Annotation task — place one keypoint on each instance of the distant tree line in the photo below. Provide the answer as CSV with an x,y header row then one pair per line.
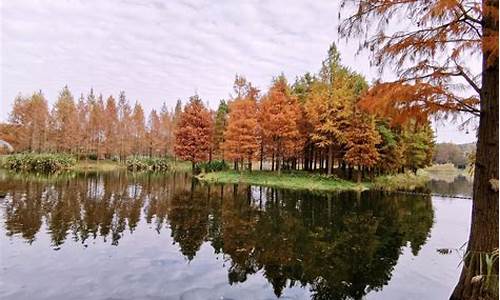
x,y
91,126
314,124
453,153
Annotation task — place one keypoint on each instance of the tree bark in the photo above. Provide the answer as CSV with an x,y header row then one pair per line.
x,y
261,154
329,164
272,162
483,236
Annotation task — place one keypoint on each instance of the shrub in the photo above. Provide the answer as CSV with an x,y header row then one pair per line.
x,y
401,182
45,163
148,164
214,166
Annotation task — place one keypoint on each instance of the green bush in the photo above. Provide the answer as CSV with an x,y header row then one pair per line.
x,y
156,164
214,166
92,156
45,163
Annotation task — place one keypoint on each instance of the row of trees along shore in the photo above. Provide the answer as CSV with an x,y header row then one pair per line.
x,y
314,124
89,127
429,51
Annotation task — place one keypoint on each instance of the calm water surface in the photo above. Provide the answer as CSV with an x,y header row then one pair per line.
x,y
147,236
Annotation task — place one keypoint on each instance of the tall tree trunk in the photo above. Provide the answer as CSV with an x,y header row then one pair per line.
x,y
315,160
272,162
329,164
484,221
261,154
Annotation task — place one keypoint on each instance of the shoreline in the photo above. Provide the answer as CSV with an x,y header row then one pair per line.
x,y
299,180
287,180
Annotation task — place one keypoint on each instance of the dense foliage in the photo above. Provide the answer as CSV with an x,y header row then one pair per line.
x,y
46,163
143,163
452,153
214,166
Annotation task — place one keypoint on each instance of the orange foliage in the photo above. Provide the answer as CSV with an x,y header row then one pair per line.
x,y
240,136
193,132
429,81
280,117
362,138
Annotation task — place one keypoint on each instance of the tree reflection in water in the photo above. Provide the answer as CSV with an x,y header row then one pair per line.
x,y
339,245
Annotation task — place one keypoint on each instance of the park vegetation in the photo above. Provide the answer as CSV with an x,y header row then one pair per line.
x,y
315,124
329,122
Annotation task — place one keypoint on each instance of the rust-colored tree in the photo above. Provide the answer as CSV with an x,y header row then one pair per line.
x,y
362,140
280,118
30,117
63,121
430,57
193,132
240,137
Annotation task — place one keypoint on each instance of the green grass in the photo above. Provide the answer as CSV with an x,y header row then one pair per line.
x,y
109,165
406,181
289,180
181,166
97,166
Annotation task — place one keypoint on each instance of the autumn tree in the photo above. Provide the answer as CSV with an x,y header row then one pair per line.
x,y
30,116
240,137
64,122
95,124
430,56
138,130
193,132
111,127
302,88
279,119
82,138
330,104
362,140
124,125
153,135
167,120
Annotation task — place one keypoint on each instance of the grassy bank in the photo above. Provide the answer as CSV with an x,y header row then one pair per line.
x,y
307,181
446,172
292,180
97,166
405,181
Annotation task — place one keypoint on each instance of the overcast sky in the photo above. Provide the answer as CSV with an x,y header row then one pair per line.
x,y
160,51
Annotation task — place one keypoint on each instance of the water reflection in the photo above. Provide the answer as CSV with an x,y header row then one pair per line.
x,y
338,245
459,186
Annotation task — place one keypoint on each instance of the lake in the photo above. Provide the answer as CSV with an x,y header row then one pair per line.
x,y
120,235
